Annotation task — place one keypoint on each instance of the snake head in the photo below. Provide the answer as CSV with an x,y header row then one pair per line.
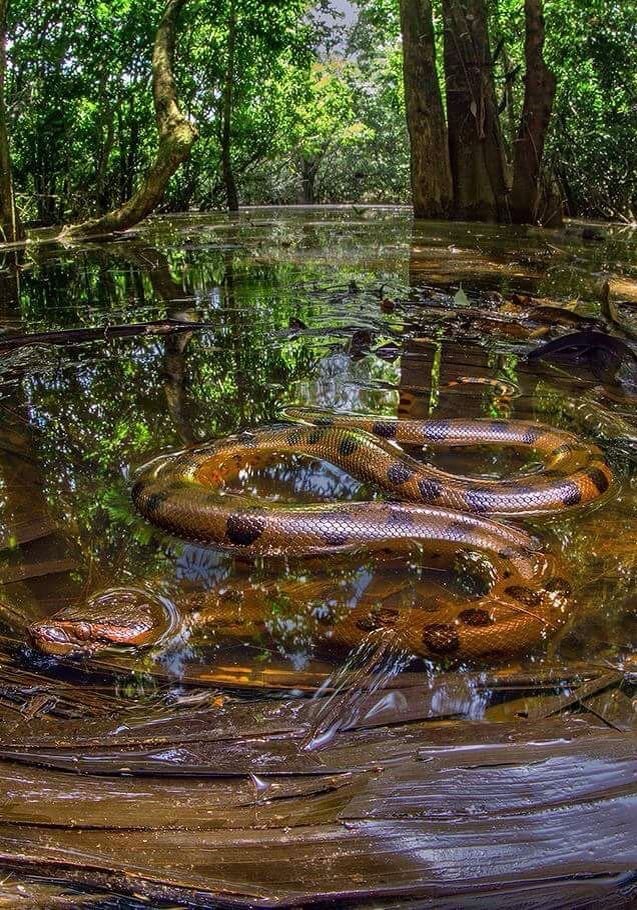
x,y
59,637
131,617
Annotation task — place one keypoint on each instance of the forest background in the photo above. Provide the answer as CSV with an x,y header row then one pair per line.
x,y
285,102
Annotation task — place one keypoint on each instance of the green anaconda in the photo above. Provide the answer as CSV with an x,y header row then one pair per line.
x,y
186,494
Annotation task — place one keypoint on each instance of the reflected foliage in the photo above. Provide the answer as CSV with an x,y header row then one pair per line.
x,y
351,311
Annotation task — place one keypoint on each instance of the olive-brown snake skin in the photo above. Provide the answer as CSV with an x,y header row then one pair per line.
x,y
186,495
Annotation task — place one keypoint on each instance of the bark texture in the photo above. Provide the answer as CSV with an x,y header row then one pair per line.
x,y
176,136
475,143
539,92
309,171
430,169
9,217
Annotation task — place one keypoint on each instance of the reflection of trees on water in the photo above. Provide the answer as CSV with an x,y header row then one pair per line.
x,y
38,550
94,412
300,480
598,565
201,566
106,409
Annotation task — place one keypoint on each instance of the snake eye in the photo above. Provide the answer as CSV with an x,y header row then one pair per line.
x,y
82,631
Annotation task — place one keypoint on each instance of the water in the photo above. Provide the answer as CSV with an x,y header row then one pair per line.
x,y
342,309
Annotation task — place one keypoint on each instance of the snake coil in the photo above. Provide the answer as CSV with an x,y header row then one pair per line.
x,y
186,495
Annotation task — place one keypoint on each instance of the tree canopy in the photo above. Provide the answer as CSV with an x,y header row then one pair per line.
x,y
294,104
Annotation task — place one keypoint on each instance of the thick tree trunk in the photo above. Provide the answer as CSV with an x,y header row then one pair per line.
x,y
232,197
430,170
176,136
539,91
9,217
475,143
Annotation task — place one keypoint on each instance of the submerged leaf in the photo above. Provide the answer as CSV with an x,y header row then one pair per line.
x,y
460,298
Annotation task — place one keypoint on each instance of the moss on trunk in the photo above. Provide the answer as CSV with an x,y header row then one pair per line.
x,y
176,137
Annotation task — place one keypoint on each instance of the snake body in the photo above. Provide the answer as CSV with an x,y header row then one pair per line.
x,y
187,494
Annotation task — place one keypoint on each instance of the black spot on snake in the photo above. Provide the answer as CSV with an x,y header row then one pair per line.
x,y
557,585
436,430
387,616
367,624
521,489
571,494
441,638
475,617
315,436
384,429
399,517
153,501
526,596
378,618
532,434
348,445
232,595
294,437
243,528
398,473
478,500
429,489
457,531
324,421
599,479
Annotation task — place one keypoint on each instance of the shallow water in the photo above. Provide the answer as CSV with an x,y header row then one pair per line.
x,y
294,300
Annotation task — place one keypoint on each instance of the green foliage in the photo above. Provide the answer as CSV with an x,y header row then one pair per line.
x,y
317,115
593,49
591,46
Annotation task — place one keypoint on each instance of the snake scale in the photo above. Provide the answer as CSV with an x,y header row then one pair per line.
x,y
187,494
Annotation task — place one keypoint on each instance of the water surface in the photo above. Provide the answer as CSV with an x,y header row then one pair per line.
x,y
347,309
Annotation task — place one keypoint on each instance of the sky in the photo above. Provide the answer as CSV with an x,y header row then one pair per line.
x,y
344,6
347,9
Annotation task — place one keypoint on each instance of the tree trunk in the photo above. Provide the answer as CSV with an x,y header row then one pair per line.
x,y
232,196
309,170
475,143
9,217
510,73
430,169
105,144
539,91
176,136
